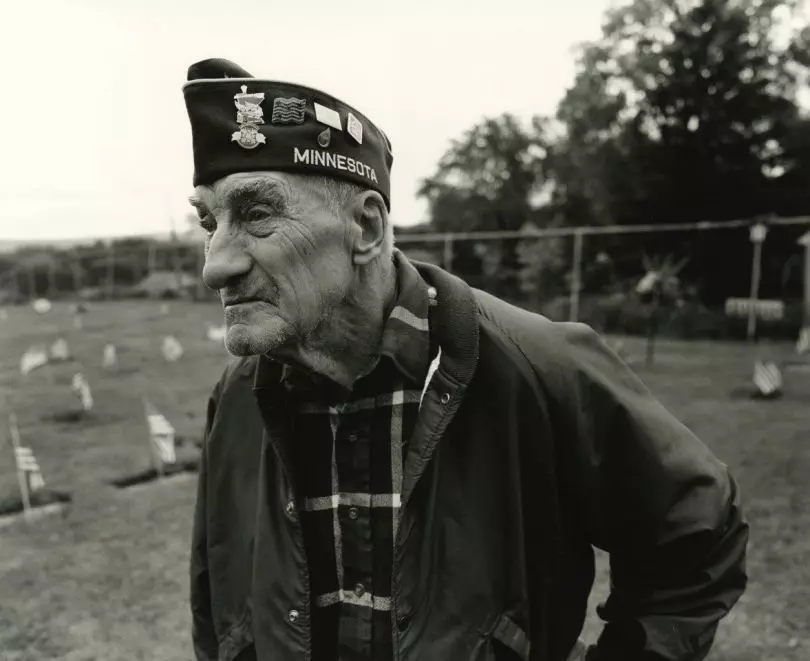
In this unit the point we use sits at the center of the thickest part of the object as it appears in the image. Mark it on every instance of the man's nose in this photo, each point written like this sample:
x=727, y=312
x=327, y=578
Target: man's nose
x=226, y=259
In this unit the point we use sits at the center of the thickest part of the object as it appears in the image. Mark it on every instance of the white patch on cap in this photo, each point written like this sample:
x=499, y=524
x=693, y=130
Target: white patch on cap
x=328, y=116
x=355, y=128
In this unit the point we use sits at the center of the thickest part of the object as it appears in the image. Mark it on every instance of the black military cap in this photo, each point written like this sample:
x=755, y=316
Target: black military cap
x=241, y=124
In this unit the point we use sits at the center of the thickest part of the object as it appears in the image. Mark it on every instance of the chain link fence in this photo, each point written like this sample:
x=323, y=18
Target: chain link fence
x=588, y=274
x=126, y=268
x=595, y=274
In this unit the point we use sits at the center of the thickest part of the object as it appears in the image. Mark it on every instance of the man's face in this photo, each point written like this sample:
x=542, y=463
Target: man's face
x=277, y=253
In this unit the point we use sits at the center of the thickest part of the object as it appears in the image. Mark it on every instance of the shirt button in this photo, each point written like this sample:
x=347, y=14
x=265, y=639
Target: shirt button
x=290, y=508
x=359, y=589
x=445, y=398
x=292, y=616
x=353, y=513
x=352, y=437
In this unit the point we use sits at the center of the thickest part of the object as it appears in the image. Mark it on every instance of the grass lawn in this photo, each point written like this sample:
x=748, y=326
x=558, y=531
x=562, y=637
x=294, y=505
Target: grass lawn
x=107, y=578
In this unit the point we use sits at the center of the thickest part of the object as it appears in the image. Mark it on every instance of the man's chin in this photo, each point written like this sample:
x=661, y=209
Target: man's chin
x=251, y=340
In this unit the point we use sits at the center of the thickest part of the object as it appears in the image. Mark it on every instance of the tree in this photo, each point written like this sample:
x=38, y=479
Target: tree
x=683, y=111
x=487, y=180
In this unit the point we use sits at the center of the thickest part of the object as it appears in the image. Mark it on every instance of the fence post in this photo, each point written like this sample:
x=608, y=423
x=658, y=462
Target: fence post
x=17, y=286
x=51, y=280
x=448, y=253
x=32, y=282
x=200, y=266
x=805, y=241
x=76, y=270
x=176, y=249
x=110, y=270
x=576, y=277
x=758, y=234
x=152, y=259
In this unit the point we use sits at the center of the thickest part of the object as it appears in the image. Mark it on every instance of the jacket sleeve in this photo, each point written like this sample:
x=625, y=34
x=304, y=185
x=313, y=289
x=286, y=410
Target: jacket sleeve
x=657, y=500
x=203, y=635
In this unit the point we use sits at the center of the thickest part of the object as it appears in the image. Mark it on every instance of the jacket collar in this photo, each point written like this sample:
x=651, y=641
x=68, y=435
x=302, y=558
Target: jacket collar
x=453, y=323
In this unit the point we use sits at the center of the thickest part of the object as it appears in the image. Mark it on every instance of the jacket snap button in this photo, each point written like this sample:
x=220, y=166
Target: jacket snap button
x=353, y=513
x=403, y=621
x=292, y=616
x=359, y=589
x=290, y=509
x=445, y=398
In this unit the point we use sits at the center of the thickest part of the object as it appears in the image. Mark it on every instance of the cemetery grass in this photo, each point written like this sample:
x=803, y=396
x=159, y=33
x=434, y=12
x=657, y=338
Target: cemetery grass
x=107, y=579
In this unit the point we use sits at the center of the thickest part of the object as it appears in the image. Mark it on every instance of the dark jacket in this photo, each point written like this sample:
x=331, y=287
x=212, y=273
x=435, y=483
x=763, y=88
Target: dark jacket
x=534, y=443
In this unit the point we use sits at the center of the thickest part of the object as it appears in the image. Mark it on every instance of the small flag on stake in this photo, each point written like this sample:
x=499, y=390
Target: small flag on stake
x=42, y=305
x=28, y=466
x=29, y=474
x=82, y=389
x=172, y=349
x=59, y=350
x=110, y=358
x=216, y=333
x=32, y=359
x=803, y=343
x=161, y=434
x=767, y=379
x=164, y=308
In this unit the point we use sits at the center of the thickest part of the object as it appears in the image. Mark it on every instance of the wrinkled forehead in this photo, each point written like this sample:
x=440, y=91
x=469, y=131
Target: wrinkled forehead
x=271, y=188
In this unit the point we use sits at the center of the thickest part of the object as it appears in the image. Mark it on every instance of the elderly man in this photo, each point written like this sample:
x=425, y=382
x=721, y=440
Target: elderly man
x=401, y=467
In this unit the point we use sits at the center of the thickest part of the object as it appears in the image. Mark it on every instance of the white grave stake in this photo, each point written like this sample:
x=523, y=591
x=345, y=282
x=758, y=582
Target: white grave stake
x=803, y=343
x=172, y=349
x=82, y=389
x=60, y=350
x=42, y=305
x=161, y=437
x=216, y=333
x=110, y=358
x=767, y=378
x=32, y=359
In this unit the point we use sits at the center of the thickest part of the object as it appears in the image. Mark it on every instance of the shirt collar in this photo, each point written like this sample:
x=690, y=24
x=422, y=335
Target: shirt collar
x=406, y=337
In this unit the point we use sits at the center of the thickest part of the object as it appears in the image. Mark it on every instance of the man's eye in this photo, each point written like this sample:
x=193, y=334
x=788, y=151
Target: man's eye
x=208, y=224
x=256, y=214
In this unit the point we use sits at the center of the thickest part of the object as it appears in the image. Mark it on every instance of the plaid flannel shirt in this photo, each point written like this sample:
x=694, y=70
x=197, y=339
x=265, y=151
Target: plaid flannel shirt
x=348, y=460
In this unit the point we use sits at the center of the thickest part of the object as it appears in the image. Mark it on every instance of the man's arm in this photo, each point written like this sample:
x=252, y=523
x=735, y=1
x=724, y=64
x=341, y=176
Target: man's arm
x=203, y=635
x=657, y=500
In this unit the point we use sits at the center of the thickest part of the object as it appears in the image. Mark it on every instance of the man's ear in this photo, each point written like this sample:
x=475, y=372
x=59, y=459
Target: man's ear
x=370, y=219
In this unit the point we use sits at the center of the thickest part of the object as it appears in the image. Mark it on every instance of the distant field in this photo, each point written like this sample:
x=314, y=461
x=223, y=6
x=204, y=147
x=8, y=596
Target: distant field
x=108, y=579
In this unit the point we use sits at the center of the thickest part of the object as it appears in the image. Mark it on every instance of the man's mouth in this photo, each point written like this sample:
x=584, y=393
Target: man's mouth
x=239, y=301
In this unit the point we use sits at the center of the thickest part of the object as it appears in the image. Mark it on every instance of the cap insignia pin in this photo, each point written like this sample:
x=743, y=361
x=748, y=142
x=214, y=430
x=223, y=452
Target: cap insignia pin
x=288, y=111
x=328, y=116
x=355, y=128
x=249, y=116
x=325, y=137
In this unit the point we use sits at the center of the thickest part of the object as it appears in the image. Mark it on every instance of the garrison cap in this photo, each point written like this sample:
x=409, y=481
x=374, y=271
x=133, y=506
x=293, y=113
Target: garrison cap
x=240, y=123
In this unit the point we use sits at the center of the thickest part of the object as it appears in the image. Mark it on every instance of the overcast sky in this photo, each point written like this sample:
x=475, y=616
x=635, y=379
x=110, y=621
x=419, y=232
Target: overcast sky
x=95, y=139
